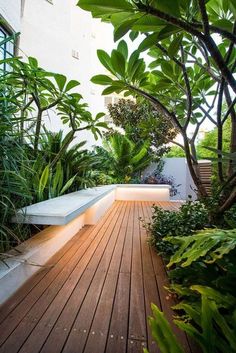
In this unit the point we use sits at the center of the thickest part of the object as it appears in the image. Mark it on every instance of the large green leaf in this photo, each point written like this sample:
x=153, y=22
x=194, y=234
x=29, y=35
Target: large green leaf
x=123, y=28
x=148, y=42
x=148, y=23
x=105, y=60
x=60, y=80
x=118, y=62
x=105, y=6
x=43, y=182
x=67, y=185
x=101, y=80
x=210, y=245
x=71, y=84
x=167, y=6
x=162, y=332
x=123, y=49
x=174, y=46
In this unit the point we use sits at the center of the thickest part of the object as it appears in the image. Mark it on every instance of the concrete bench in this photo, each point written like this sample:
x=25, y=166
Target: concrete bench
x=92, y=203
x=66, y=215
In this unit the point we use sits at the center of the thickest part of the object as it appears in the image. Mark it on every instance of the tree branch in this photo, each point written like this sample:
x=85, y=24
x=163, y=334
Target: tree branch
x=188, y=88
x=207, y=40
x=158, y=105
x=205, y=21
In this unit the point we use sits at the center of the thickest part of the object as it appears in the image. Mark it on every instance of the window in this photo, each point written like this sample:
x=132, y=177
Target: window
x=6, y=47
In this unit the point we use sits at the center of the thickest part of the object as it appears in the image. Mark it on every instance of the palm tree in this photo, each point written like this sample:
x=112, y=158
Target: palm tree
x=122, y=158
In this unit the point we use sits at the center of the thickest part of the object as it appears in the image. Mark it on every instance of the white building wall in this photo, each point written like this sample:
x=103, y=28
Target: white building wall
x=50, y=32
x=10, y=11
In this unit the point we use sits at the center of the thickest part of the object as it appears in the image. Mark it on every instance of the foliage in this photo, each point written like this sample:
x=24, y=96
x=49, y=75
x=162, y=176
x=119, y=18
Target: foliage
x=191, y=75
x=230, y=217
x=203, y=270
x=162, y=333
x=190, y=217
x=175, y=151
x=209, y=244
x=141, y=123
x=204, y=322
x=210, y=140
x=121, y=158
x=34, y=163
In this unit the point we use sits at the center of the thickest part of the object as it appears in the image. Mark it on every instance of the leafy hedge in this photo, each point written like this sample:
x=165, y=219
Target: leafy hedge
x=202, y=270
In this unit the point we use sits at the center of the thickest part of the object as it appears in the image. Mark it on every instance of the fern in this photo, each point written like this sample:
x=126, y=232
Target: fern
x=209, y=245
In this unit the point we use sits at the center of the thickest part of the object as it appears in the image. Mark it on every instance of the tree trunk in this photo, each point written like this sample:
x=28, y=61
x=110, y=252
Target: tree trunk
x=233, y=130
x=194, y=170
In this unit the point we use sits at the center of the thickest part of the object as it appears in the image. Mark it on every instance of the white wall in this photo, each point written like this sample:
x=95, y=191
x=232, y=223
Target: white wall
x=178, y=169
x=10, y=11
x=51, y=31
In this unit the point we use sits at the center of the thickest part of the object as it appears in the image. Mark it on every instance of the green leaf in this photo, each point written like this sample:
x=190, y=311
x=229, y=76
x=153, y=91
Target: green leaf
x=132, y=60
x=133, y=35
x=167, y=69
x=123, y=49
x=118, y=62
x=174, y=46
x=224, y=24
x=101, y=80
x=111, y=89
x=60, y=80
x=105, y=6
x=168, y=6
x=43, y=182
x=162, y=332
x=105, y=60
x=67, y=185
x=123, y=28
x=33, y=62
x=167, y=31
x=148, y=42
x=148, y=23
x=71, y=84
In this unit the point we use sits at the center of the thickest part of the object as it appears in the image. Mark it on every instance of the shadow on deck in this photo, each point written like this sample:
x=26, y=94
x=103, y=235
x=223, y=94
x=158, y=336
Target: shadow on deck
x=96, y=298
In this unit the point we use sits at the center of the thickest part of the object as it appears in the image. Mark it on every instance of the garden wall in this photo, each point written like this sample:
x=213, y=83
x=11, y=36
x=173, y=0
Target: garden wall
x=178, y=169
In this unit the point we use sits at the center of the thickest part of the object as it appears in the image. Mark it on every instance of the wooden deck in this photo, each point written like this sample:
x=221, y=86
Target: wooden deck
x=96, y=297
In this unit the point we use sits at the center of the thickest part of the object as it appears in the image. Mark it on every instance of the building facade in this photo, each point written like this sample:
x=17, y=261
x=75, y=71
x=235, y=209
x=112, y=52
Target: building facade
x=64, y=39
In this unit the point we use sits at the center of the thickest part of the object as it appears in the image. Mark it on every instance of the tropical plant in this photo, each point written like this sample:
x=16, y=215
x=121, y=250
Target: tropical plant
x=191, y=74
x=122, y=158
x=175, y=151
x=204, y=269
x=34, y=167
x=204, y=322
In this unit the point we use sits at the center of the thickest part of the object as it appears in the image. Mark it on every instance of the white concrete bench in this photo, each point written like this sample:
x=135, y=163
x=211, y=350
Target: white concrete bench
x=66, y=215
x=92, y=202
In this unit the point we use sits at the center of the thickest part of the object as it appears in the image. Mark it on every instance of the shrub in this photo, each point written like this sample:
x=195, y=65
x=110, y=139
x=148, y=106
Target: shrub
x=203, y=277
x=191, y=216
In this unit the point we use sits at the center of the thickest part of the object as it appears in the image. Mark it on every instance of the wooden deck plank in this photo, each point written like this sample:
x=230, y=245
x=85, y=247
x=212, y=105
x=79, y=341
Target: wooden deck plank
x=71, y=298
x=30, y=320
x=150, y=286
x=36, y=284
x=137, y=314
x=97, y=298
x=97, y=326
x=118, y=331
